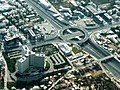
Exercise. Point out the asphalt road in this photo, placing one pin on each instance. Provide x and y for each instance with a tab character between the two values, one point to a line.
90	48
114	67
105	27
93	49
45	13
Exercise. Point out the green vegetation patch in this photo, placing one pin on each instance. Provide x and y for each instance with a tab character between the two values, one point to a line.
2	84
48	49
76	50
61	3
47	67
10	62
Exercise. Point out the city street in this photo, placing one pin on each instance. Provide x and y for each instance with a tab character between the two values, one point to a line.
90	54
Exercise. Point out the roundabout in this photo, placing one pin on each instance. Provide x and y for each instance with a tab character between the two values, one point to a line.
74	35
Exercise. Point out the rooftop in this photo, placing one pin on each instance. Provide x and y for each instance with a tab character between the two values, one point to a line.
10	36
64	47
21	60
94	10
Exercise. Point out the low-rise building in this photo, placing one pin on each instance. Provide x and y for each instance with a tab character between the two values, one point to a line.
25	49
93	11
98	19
107	17
2	33
11	41
65	48
32	36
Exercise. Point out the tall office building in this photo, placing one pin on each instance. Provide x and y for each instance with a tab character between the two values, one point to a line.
23	64
34	60
31	58
39	60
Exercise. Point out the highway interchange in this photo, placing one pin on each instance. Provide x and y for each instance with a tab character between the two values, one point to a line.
86	44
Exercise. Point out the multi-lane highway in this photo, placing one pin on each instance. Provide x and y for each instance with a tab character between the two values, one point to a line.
94	49
81	32
113	66
45	13
89	46
108	26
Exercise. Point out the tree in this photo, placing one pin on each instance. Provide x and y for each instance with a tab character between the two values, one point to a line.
47	66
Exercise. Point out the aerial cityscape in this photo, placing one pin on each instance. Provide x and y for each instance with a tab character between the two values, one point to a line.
59	44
